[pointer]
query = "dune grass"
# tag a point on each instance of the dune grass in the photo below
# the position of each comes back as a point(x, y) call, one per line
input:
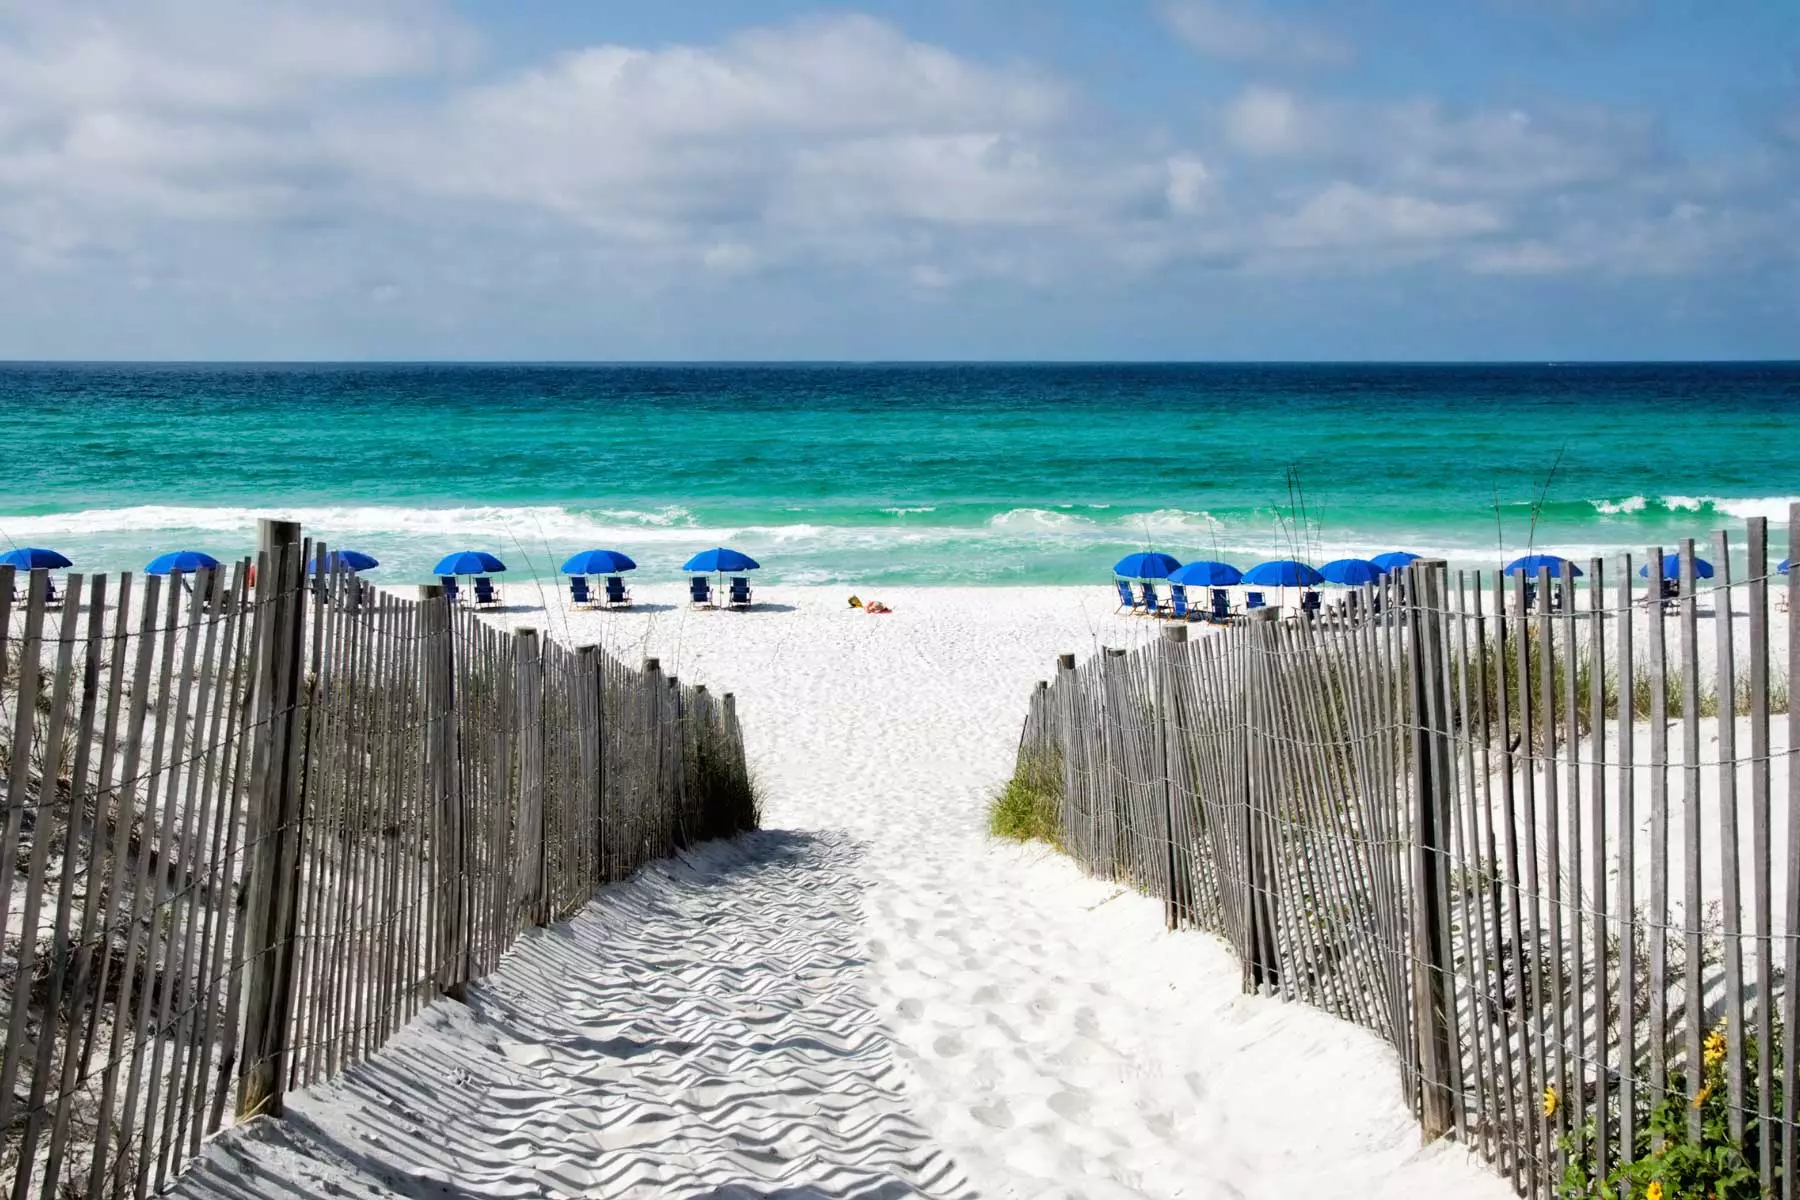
point(1028, 807)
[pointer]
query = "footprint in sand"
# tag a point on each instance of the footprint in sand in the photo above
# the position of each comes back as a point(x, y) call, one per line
point(995, 1114)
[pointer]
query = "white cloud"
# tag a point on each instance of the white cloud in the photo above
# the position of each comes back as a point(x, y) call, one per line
point(1532, 256)
point(1190, 185)
point(1265, 120)
point(1238, 32)
point(1423, 144)
point(1343, 214)
point(307, 164)
point(830, 122)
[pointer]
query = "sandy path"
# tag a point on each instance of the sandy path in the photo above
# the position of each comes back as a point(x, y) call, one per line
point(870, 999)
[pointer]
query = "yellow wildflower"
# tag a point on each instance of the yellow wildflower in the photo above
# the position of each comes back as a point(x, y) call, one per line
point(1714, 1052)
point(1550, 1102)
point(1654, 1191)
point(1700, 1096)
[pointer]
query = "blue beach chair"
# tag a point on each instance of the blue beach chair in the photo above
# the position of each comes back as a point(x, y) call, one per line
point(699, 591)
point(1178, 602)
point(579, 596)
point(740, 592)
point(616, 594)
point(1221, 605)
point(1127, 601)
point(1310, 602)
point(1151, 604)
point(451, 593)
point(1254, 600)
point(485, 595)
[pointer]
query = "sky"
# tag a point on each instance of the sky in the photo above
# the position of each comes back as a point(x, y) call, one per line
point(937, 179)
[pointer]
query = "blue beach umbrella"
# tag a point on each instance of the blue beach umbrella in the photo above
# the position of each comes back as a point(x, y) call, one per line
point(468, 562)
point(719, 560)
point(349, 560)
point(177, 561)
point(1393, 560)
point(1207, 572)
point(1282, 572)
point(1351, 572)
point(28, 557)
point(1147, 564)
point(1671, 568)
point(1531, 564)
point(598, 562)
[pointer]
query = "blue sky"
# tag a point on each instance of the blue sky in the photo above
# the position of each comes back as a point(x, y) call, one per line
point(1167, 179)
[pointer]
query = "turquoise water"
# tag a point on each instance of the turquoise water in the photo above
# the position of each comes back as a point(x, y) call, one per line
point(913, 473)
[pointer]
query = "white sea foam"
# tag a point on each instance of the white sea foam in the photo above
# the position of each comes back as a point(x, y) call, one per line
point(672, 514)
point(1774, 508)
point(904, 512)
point(1041, 518)
point(530, 522)
point(1631, 504)
point(1175, 521)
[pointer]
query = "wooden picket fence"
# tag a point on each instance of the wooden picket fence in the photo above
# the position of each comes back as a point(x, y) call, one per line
point(248, 831)
point(1541, 836)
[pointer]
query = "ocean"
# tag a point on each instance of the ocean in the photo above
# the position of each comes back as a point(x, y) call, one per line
point(925, 474)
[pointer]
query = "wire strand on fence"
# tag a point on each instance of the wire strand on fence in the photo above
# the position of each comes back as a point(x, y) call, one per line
point(255, 829)
point(1428, 815)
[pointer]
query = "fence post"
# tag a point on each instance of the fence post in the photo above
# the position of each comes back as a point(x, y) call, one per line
point(587, 668)
point(1431, 958)
point(269, 902)
point(528, 736)
point(652, 699)
point(1065, 688)
point(449, 852)
point(1167, 747)
point(1262, 962)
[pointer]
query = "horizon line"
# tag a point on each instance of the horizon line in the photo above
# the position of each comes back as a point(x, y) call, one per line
point(892, 362)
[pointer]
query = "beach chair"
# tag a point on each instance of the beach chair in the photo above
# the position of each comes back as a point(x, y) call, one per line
point(485, 594)
point(1310, 602)
point(1151, 604)
point(616, 594)
point(579, 596)
point(451, 592)
point(699, 591)
point(1669, 592)
point(1221, 605)
point(740, 592)
point(1254, 600)
point(1178, 602)
point(1127, 601)
point(52, 597)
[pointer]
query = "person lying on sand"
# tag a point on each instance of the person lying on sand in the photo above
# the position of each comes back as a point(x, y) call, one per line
point(873, 606)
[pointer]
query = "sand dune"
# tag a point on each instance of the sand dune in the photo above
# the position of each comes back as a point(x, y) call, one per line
point(870, 998)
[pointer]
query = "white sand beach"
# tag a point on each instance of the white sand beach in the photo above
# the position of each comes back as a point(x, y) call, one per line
point(871, 998)
point(872, 994)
